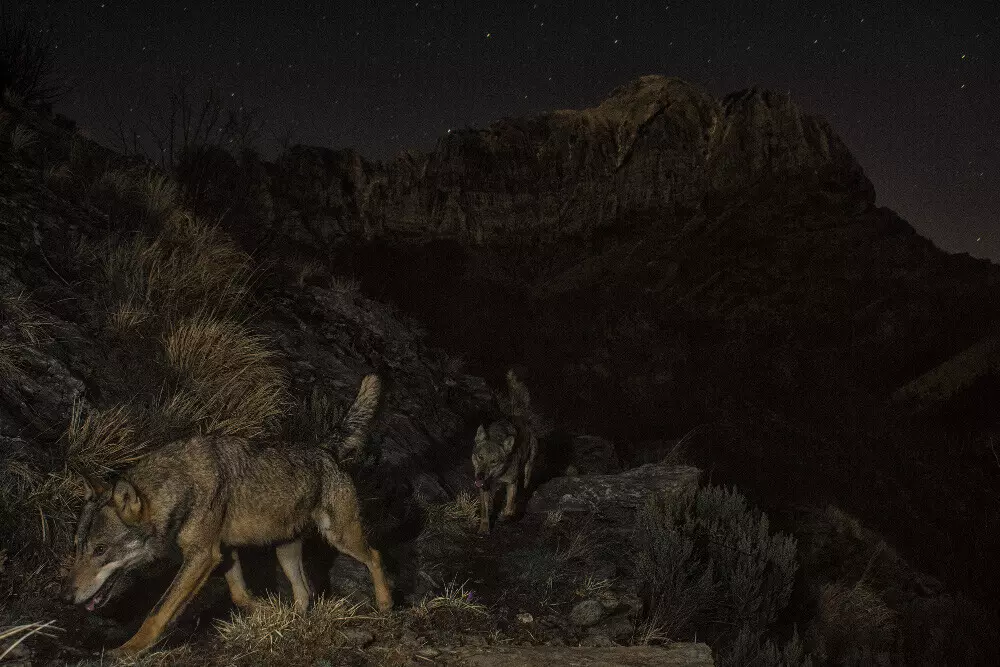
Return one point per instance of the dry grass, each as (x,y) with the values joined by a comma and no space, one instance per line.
(185,654)
(159,195)
(346,287)
(13,99)
(227,378)
(22,138)
(18,633)
(188,268)
(275,632)
(314,418)
(101,440)
(308,269)
(454,597)
(27,321)
(853,621)
(22,326)
(125,318)
(57,177)
(463,509)
(113,185)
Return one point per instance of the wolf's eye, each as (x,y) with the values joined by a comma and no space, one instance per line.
(99,550)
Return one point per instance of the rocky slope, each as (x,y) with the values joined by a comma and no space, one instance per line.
(665,259)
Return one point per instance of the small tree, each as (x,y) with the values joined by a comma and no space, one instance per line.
(27,60)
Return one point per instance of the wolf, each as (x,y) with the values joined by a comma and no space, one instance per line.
(504,453)
(210,495)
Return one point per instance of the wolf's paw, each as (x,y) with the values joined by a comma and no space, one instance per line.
(507,516)
(484,529)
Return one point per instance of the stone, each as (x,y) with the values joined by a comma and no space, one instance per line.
(623,491)
(586,613)
(679,654)
(593,454)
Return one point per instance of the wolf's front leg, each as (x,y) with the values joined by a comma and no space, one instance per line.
(485,510)
(510,504)
(190,578)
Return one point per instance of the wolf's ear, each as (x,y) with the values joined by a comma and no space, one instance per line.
(93,487)
(480,434)
(508,444)
(128,502)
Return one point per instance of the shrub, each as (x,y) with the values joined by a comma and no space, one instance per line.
(709,563)
(28,74)
(853,623)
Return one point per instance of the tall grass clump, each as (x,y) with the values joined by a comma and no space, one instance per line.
(182,359)
(226,380)
(187,269)
(275,633)
(23,325)
(709,565)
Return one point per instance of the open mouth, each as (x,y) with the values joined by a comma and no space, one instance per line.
(103,594)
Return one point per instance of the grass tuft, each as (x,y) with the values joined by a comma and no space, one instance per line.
(160,196)
(227,379)
(102,440)
(274,628)
(22,138)
(18,633)
(454,597)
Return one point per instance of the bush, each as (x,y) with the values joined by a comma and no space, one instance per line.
(27,65)
(708,564)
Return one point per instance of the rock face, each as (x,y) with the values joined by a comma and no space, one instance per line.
(656,143)
(607,493)
(681,654)
(666,259)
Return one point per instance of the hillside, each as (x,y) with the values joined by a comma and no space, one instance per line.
(703,282)
(666,259)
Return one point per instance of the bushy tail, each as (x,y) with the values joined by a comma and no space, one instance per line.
(519,397)
(517,406)
(354,431)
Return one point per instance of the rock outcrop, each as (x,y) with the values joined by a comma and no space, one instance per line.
(655,143)
(681,654)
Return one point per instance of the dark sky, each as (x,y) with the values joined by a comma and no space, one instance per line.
(913,87)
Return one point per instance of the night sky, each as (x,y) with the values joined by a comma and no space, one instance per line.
(913,87)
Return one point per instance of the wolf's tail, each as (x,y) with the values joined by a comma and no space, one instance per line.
(353,432)
(520,398)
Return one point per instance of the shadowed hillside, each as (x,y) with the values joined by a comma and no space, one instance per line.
(688,281)
(666,259)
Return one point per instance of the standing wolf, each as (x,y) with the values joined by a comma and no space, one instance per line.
(207,494)
(505,452)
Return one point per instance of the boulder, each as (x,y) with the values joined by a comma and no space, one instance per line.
(686,654)
(610,493)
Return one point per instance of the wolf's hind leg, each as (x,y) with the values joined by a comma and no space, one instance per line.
(290,558)
(238,591)
(348,537)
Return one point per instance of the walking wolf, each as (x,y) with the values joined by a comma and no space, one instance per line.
(207,494)
(505,453)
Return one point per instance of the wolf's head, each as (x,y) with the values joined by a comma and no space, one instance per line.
(492,451)
(111,539)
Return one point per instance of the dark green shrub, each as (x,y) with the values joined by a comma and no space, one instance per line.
(708,564)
